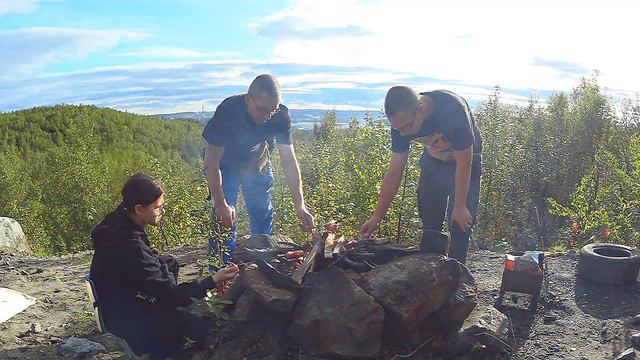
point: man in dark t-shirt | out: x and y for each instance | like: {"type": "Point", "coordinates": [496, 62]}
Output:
{"type": "Point", "coordinates": [450, 165]}
{"type": "Point", "coordinates": [239, 136]}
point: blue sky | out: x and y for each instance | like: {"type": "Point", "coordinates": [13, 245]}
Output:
{"type": "Point", "coordinates": [167, 56]}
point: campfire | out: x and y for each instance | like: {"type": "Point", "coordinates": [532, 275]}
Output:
{"type": "Point", "coordinates": [345, 299]}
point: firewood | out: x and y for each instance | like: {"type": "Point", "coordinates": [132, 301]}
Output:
{"type": "Point", "coordinates": [310, 259]}
{"type": "Point", "coordinates": [339, 245]}
{"type": "Point", "coordinates": [329, 244]}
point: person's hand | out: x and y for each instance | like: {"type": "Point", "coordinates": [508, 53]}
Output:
{"type": "Point", "coordinates": [306, 219]}
{"type": "Point", "coordinates": [226, 215]}
{"type": "Point", "coordinates": [462, 217]}
{"type": "Point", "coordinates": [369, 227]}
{"type": "Point", "coordinates": [332, 227]}
{"type": "Point", "coordinates": [226, 273]}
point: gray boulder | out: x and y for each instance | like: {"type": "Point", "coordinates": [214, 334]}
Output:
{"type": "Point", "coordinates": [461, 302]}
{"type": "Point", "coordinates": [78, 348]}
{"type": "Point", "coordinates": [275, 298]}
{"type": "Point", "coordinates": [12, 239]}
{"type": "Point", "coordinates": [257, 339]}
{"type": "Point", "coordinates": [628, 354]}
{"type": "Point", "coordinates": [635, 340]}
{"type": "Point", "coordinates": [262, 241]}
{"type": "Point", "coordinates": [257, 241]}
{"type": "Point", "coordinates": [116, 347]}
{"type": "Point", "coordinates": [410, 289]}
{"type": "Point", "coordinates": [485, 325]}
{"type": "Point", "coordinates": [336, 318]}
{"type": "Point", "coordinates": [244, 307]}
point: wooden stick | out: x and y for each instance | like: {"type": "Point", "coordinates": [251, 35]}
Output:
{"type": "Point", "coordinates": [329, 244]}
{"type": "Point", "coordinates": [399, 356]}
{"type": "Point", "coordinates": [309, 260]}
{"type": "Point", "coordinates": [339, 246]}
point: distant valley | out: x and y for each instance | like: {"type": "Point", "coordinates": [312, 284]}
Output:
{"type": "Point", "coordinates": [301, 118]}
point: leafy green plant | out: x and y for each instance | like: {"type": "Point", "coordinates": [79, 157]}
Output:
{"type": "Point", "coordinates": [217, 308]}
{"type": "Point", "coordinates": [546, 166]}
{"type": "Point", "coordinates": [604, 207]}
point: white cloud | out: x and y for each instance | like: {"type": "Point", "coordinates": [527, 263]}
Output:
{"type": "Point", "coordinates": [173, 52]}
{"type": "Point", "coordinates": [29, 48]}
{"type": "Point", "coordinates": [280, 27]}
{"type": "Point", "coordinates": [491, 42]}
{"type": "Point", "coordinates": [17, 6]}
{"type": "Point", "coordinates": [156, 86]}
{"type": "Point", "coordinates": [23, 6]}
{"type": "Point", "coordinates": [341, 54]}
{"type": "Point", "coordinates": [353, 75]}
{"type": "Point", "coordinates": [164, 87]}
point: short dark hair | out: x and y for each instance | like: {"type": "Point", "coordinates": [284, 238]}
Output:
{"type": "Point", "coordinates": [265, 83]}
{"type": "Point", "coordinates": [400, 98]}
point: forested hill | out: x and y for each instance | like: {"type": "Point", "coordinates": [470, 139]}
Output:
{"type": "Point", "coordinates": [38, 129]}
{"type": "Point", "coordinates": [62, 168]}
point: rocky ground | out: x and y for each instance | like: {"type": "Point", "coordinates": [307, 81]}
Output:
{"type": "Point", "coordinates": [574, 319]}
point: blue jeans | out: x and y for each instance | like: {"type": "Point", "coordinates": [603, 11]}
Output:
{"type": "Point", "coordinates": [436, 197]}
{"type": "Point", "coordinates": [256, 192]}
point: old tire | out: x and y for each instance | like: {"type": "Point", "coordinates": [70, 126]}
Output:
{"type": "Point", "coordinates": [609, 263]}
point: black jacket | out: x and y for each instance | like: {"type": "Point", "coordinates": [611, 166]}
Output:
{"type": "Point", "coordinates": [125, 266]}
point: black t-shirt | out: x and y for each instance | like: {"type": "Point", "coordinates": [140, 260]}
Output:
{"type": "Point", "coordinates": [245, 143]}
{"type": "Point", "coordinates": [450, 127]}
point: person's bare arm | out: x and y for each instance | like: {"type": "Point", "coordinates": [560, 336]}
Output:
{"type": "Point", "coordinates": [460, 214]}
{"type": "Point", "coordinates": [225, 213]}
{"type": "Point", "coordinates": [291, 171]}
{"type": "Point", "coordinates": [389, 189]}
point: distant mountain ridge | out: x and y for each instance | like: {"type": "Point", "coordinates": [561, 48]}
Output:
{"type": "Point", "coordinates": [301, 118]}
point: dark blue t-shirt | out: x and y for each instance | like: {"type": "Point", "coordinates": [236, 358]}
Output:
{"type": "Point", "coordinates": [450, 127]}
{"type": "Point", "coordinates": [245, 143]}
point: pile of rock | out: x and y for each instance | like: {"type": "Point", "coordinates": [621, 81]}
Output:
{"type": "Point", "coordinates": [413, 300]}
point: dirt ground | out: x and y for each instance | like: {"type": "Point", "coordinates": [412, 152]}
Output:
{"type": "Point", "coordinates": [574, 319]}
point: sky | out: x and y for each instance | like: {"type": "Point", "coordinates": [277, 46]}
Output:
{"type": "Point", "coordinates": [164, 56]}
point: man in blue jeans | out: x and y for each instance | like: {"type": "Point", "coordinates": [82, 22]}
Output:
{"type": "Point", "coordinates": [239, 137]}
{"type": "Point", "coordinates": [450, 165]}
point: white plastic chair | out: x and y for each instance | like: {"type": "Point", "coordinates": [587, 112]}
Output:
{"type": "Point", "coordinates": [94, 303]}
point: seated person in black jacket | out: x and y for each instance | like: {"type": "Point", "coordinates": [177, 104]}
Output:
{"type": "Point", "coordinates": [137, 288]}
